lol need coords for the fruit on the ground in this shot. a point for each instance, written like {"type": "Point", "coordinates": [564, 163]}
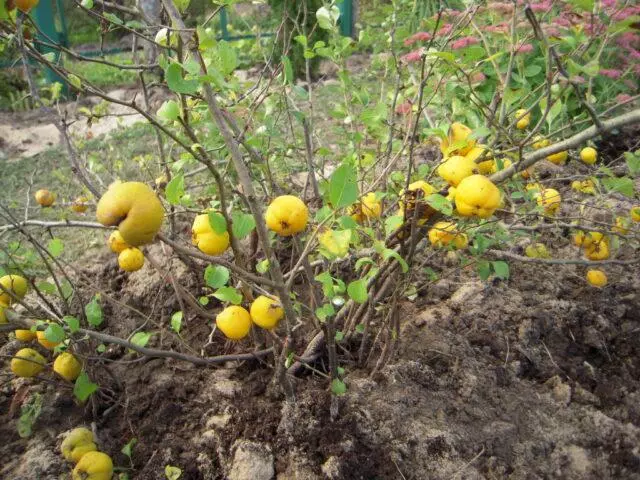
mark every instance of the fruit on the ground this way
{"type": "Point", "coordinates": [27, 363]}
{"type": "Point", "coordinates": [558, 158]}
{"type": "Point", "coordinates": [131, 259]}
{"type": "Point", "coordinates": [455, 168]}
{"type": "Point", "coordinates": [540, 142]}
{"type": "Point", "coordinates": [415, 194]}
{"type": "Point", "coordinates": [206, 238]}
{"type": "Point", "coordinates": [42, 340]}
{"type": "Point", "coordinates": [584, 186]}
{"type": "Point", "coordinates": [596, 278]}
{"type": "Point", "coordinates": [93, 466]}
{"type": "Point", "coordinates": [26, 5]}
{"type": "Point", "coordinates": [589, 155]}
{"type": "Point", "coordinates": [367, 208]}
{"type": "Point", "coordinates": [77, 443]}
{"type": "Point", "coordinates": [523, 118]}
{"type": "Point", "coordinates": [635, 213]}
{"type": "Point", "coordinates": [234, 322]}
{"type": "Point", "coordinates": [117, 243]}
{"type": "Point", "coordinates": [484, 167]}
{"type": "Point", "coordinates": [536, 250]}
{"type": "Point", "coordinates": [287, 215]}
{"type": "Point", "coordinates": [590, 238]}
{"type": "Point", "coordinates": [67, 366]}
{"type": "Point", "coordinates": [135, 208]}
{"type": "Point", "coordinates": [266, 312]}
{"type": "Point", "coordinates": [446, 233]}
{"type": "Point", "coordinates": [44, 198]}
{"type": "Point", "coordinates": [477, 196]}
{"type": "Point", "coordinates": [25, 335]}
{"type": "Point", "coordinates": [533, 187]}
{"type": "Point", "coordinates": [550, 200]}
{"type": "Point", "coordinates": [14, 284]}
{"type": "Point", "coordinates": [79, 205]}
{"type": "Point", "coordinates": [597, 251]}
{"type": "Point", "coordinates": [457, 141]}
{"type": "Point", "coordinates": [622, 225]}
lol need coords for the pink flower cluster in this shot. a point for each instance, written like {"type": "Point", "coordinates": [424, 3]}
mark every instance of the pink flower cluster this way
{"type": "Point", "coordinates": [499, 28]}
{"type": "Point", "coordinates": [464, 42]}
{"type": "Point", "coordinates": [611, 73]}
{"type": "Point", "coordinates": [541, 7]}
{"type": "Point", "coordinates": [625, 13]}
{"type": "Point", "coordinates": [525, 48]}
{"type": "Point", "coordinates": [417, 37]}
{"type": "Point", "coordinates": [404, 108]}
{"type": "Point", "coordinates": [412, 57]}
{"type": "Point", "coordinates": [504, 8]}
{"type": "Point", "coordinates": [444, 30]}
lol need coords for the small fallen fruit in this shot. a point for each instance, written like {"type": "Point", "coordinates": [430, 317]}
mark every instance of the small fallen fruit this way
{"type": "Point", "coordinates": [523, 118]}
{"type": "Point", "coordinates": [234, 322]}
{"type": "Point", "coordinates": [585, 186]}
{"type": "Point", "coordinates": [135, 208]}
{"type": "Point", "coordinates": [536, 250]}
{"type": "Point", "coordinates": [67, 366]}
{"type": "Point", "coordinates": [597, 251]}
{"type": "Point", "coordinates": [589, 155]}
{"type": "Point", "coordinates": [14, 284]}
{"type": "Point", "coordinates": [77, 443]}
{"type": "Point", "coordinates": [45, 198]}
{"type": "Point", "coordinates": [266, 312]}
{"type": "Point", "coordinates": [287, 215]}
{"type": "Point", "coordinates": [592, 238]}
{"type": "Point", "coordinates": [446, 233]}
{"type": "Point", "coordinates": [117, 243]}
{"type": "Point", "coordinates": [206, 238]}
{"type": "Point", "coordinates": [596, 278]}
{"type": "Point", "coordinates": [25, 335]}
{"type": "Point", "coordinates": [42, 340]}
{"type": "Point", "coordinates": [477, 196]}
{"type": "Point", "coordinates": [131, 259]}
{"type": "Point", "coordinates": [93, 466]}
{"type": "Point", "coordinates": [368, 208]}
{"type": "Point", "coordinates": [79, 205]}
{"type": "Point", "coordinates": [457, 141]}
{"type": "Point", "coordinates": [454, 169]}
{"type": "Point", "coordinates": [558, 158]}
{"type": "Point", "coordinates": [635, 213]}
{"type": "Point", "coordinates": [27, 363]}
{"type": "Point", "coordinates": [550, 200]}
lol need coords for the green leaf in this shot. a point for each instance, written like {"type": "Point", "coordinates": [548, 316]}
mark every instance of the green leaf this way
{"type": "Point", "coordinates": [101, 348]}
{"type": "Point", "coordinates": [228, 294]}
{"type": "Point", "coordinates": [93, 311]}
{"type": "Point", "coordinates": [182, 5]}
{"type": "Point", "coordinates": [47, 287]}
{"type": "Point", "coordinates": [66, 289]}
{"type": "Point", "coordinates": [501, 269]}
{"type": "Point", "coordinates": [360, 328]}
{"type": "Point", "coordinates": [328, 17]}
{"type": "Point", "coordinates": [29, 413]}
{"type": "Point", "coordinates": [357, 290]}
{"type": "Point", "coordinates": [287, 70]}
{"type": "Point", "coordinates": [141, 338]}
{"type": "Point", "coordinates": [391, 224]}
{"type": "Point", "coordinates": [54, 333]}
{"type": "Point", "coordinates": [169, 111]}
{"type": "Point", "coordinates": [175, 81]}
{"type": "Point", "coordinates": [225, 57]}
{"type": "Point", "coordinates": [216, 276]}
{"type": "Point", "coordinates": [325, 312]}
{"type": "Point", "coordinates": [390, 253]}
{"type": "Point", "coordinates": [72, 322]}
{"type": "Point", "coordinates": [203, 300]}
{"type": "Point", "coordinates": [263, 266]}
{"type": "Point", "coordinates": [326, 280]}
{"type": "Point", "coordinates": [217, 222]}
{"type": "Point", "coordinates": [88, 4]}
{"type": "Point", "coordinates": [623, 185]}
{"type": "Point", "coordinates": [84, 387]}
{"type": "Point", "coordinates": [586, 5]}
{"type": "Point", "coordinates": [339, 336]}
{"type": "Point", "coordinates": [175, 189]}
{"type": "Point", "coordinates": [112, 18]}
{"type": "Point", "coordinates": [243, 224]}
{"type": "Point", "coordinates": [172, 473]}
{"type": "Point", "coordinates": [55, 247]}
{"type": "Point", "coordinates": [633, 162]}
{"type": "Point", "coordinates": [176, 321]}
{"type": "Point", "coordinates": [484, 270]}
{"type": "Point", "coordinates": [128, 448]}
{"type": "Point", "coordinates": [440, 203]}
{"type": "Point", "coordinates": [532, 70]}
{"type": "Point", "coordinates": [343, 187]}
{"type": "Point", "coordinates": [338, 387]}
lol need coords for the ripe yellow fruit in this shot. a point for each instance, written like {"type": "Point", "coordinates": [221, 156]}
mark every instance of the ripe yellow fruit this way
{"type": "Point", "coordinates": [533, 187]}
{"type": "Point", "coordinates": [266, 312]}
{"type": "Point", "coordinates": [93, 466]}
{"type": "Point", "coordinates": [589, 155]}
{"type": "Point", "coordinates": [117, 243]}
{"type": "Point", "coordinates": [536, 250]}
{"type": "Point", "coordinates": [135, 208]}
{"type": "Point", "coordinates": [67, 366]}
{"type": "Point", "coordinates": [368, 208]}
{"type": "Point", "coordinates": [550, 200]}
{"type": "Point", "coordinates": [585, 186]}
{"type": "Point", "coordinates": [14, 284]}
{"type": "Point", "coordinates": [635, 213]}
{"type": "Point", "coordinates": [596, 278]}
{"type": "Point", "coordinates": [475, 153]}
{"type": "Point", "coordinates": [26, 5]}
{"type": "Point", "coordinates": [455, 168]}
{"type": "Point", "coordinates": [558, 158]}
{"type": "Point", "coordinates": [42, 340]}
{"type": "Point", "coordinates": [451, 194]}
{"type": "Point", "coordinates": [27, 363]}
{"type": "Point", "coordinates": [457, 141]}
{"type": "Point", "coordinates": [540, 142]}
{"type": "Point", "coordinates": [287, 215]}
{"type": "Point", "coordinates": [477, 196]}
{"type": "Point", "coordinates": [131, 259]}
{"type": "Point", "coordinates": [77, 443]}
{"type": "Point", "coordinates": [446, 233]}
{"type": "Point", "coordinates": [79, 205]}
{"type": "Point", "coordinates": [592, 238]}
{"type": "Point", "coordinates": [522, 119]}
{"type": "Point", "coordinates": [597, 251]}
{"type": "Point", "coordinates": [25, 335]}
{"type": "Point", "coordinates": [45, 198]}
{"type": "Point", "coordinates": [234, 322]}
{"type": "Point", "coordinates": [206, 238]}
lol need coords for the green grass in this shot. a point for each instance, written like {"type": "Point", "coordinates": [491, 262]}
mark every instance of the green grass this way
{"type": "Point", "coordinates": [104, 76]}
